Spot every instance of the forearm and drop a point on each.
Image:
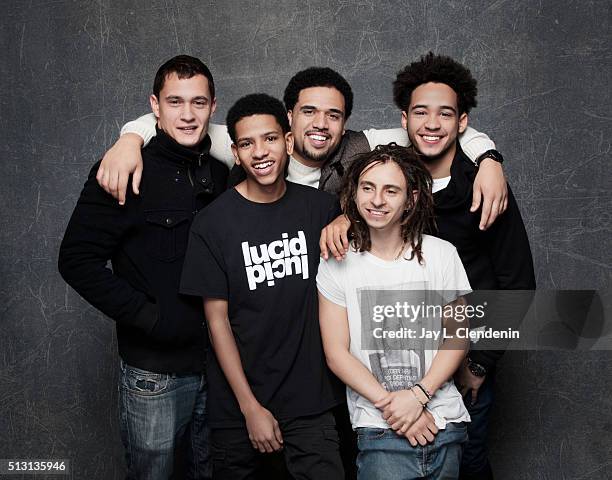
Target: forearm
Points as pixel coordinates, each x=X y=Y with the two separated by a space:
x=475 y=143
x=354 y=374
x=143 y=126
x=448 y=358
x=226 y=350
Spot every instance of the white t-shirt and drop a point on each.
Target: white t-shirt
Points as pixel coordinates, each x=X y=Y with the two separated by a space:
x=345 y=283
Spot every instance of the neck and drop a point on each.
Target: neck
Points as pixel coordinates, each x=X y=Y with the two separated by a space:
x=255 y=192
x=440 y=167
x=387 y=244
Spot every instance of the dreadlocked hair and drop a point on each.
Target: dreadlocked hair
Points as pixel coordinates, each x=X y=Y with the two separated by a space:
x=418 y=216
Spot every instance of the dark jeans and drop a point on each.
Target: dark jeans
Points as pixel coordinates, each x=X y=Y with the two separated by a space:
x=475 y=461
x=163 y=425
x=310 y=451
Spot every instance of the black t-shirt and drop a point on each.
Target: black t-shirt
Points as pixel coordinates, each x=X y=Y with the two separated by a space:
x=263 y=259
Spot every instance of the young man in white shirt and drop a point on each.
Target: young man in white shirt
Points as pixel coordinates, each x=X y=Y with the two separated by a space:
x=400 y=392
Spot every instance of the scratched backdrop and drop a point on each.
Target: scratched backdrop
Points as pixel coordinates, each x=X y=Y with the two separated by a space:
x=74 y=71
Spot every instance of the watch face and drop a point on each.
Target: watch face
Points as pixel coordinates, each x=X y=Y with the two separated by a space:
x=477 y=369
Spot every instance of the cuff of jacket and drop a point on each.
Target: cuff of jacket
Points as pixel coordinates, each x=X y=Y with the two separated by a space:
x=486 y=358
x=146 y=317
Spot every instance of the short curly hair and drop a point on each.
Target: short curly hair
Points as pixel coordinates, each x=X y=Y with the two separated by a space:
x=318 y=77
x=437 y=69
x=256 y=104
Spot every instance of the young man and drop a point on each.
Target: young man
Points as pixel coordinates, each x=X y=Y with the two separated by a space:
x=253 y=257
x=162 y=342
x=319 y=102
x=387 y=198
x=435 y=95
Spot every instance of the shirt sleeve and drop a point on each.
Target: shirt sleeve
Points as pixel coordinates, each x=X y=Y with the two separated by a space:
x=385 y=136
x=455 y=277
x=143 y=126
x=329 y=283
x=204 y=271
x=475 y=143
x=221 y=144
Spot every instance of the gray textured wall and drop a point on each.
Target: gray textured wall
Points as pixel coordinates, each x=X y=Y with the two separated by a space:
x=73 y=71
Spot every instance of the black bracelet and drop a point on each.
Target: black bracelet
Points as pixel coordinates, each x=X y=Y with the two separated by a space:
x=492 y=154
x=423 y=390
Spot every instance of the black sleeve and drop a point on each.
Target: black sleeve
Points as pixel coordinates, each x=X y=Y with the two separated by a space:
x=507 y=245
x=94 y=232
x=334 y=210
x=204 y=270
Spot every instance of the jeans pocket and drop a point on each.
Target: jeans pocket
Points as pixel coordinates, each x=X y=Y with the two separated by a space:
x=143 y=382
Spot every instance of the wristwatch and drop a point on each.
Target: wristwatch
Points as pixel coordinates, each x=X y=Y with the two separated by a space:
x=477 y=369
x=493 y=154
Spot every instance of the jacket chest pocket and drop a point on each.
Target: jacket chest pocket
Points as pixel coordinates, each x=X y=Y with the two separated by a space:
x=167 y=233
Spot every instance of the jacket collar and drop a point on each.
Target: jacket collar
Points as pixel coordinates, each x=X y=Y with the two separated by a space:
x=458 y=192
x=179 y=153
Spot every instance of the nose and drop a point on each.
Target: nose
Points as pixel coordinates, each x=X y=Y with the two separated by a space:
x=378 y=199
x=433 y=122
x=187 y=112
x=320 y=121
x=260 y=150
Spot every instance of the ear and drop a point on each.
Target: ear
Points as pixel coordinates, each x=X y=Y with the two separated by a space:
x=289 y=142
x=404 y=120
x=235 y=153
x=154 y=105
x=213 y=106
x=463 y=122
x=290 y=116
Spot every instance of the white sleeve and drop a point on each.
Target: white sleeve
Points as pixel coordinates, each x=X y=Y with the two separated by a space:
x=143 y=126
x=328 y=281
x=221 y=144
x=475 y=143
x=385 y=136
x=455 y=277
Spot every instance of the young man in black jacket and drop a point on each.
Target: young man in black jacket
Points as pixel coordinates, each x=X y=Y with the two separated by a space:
x=435 y=96
x=161 y=337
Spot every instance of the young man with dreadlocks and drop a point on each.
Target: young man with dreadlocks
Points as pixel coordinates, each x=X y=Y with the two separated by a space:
x=399 y=394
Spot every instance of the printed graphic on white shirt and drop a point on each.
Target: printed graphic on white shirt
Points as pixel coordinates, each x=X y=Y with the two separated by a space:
x=266 y=263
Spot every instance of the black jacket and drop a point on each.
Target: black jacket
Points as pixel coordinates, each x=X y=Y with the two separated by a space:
x=157 y=328
x=496 y=259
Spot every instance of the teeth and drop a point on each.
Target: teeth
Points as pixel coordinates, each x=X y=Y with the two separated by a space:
x=377 y=212
x=261 y=166
x=430 y=138
x=319 y=138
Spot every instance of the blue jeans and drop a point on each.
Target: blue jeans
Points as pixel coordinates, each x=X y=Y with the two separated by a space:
x=385 y=455
x=163 y=424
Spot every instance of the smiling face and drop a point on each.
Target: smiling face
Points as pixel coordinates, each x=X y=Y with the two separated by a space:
x=433 y=122
x=381 y=196
x=183 y=108
x=317 y=123
x=262 y=149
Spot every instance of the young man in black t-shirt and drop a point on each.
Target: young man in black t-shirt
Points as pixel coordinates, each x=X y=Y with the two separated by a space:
x=253 y=257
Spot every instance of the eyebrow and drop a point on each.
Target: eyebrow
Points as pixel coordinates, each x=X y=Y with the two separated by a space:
x=271 y=132
x=312 y=107
x=366 y=182
x=178 y=97
x=442 y=107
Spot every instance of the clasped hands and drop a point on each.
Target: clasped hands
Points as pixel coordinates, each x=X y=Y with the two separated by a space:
x=407 y=417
